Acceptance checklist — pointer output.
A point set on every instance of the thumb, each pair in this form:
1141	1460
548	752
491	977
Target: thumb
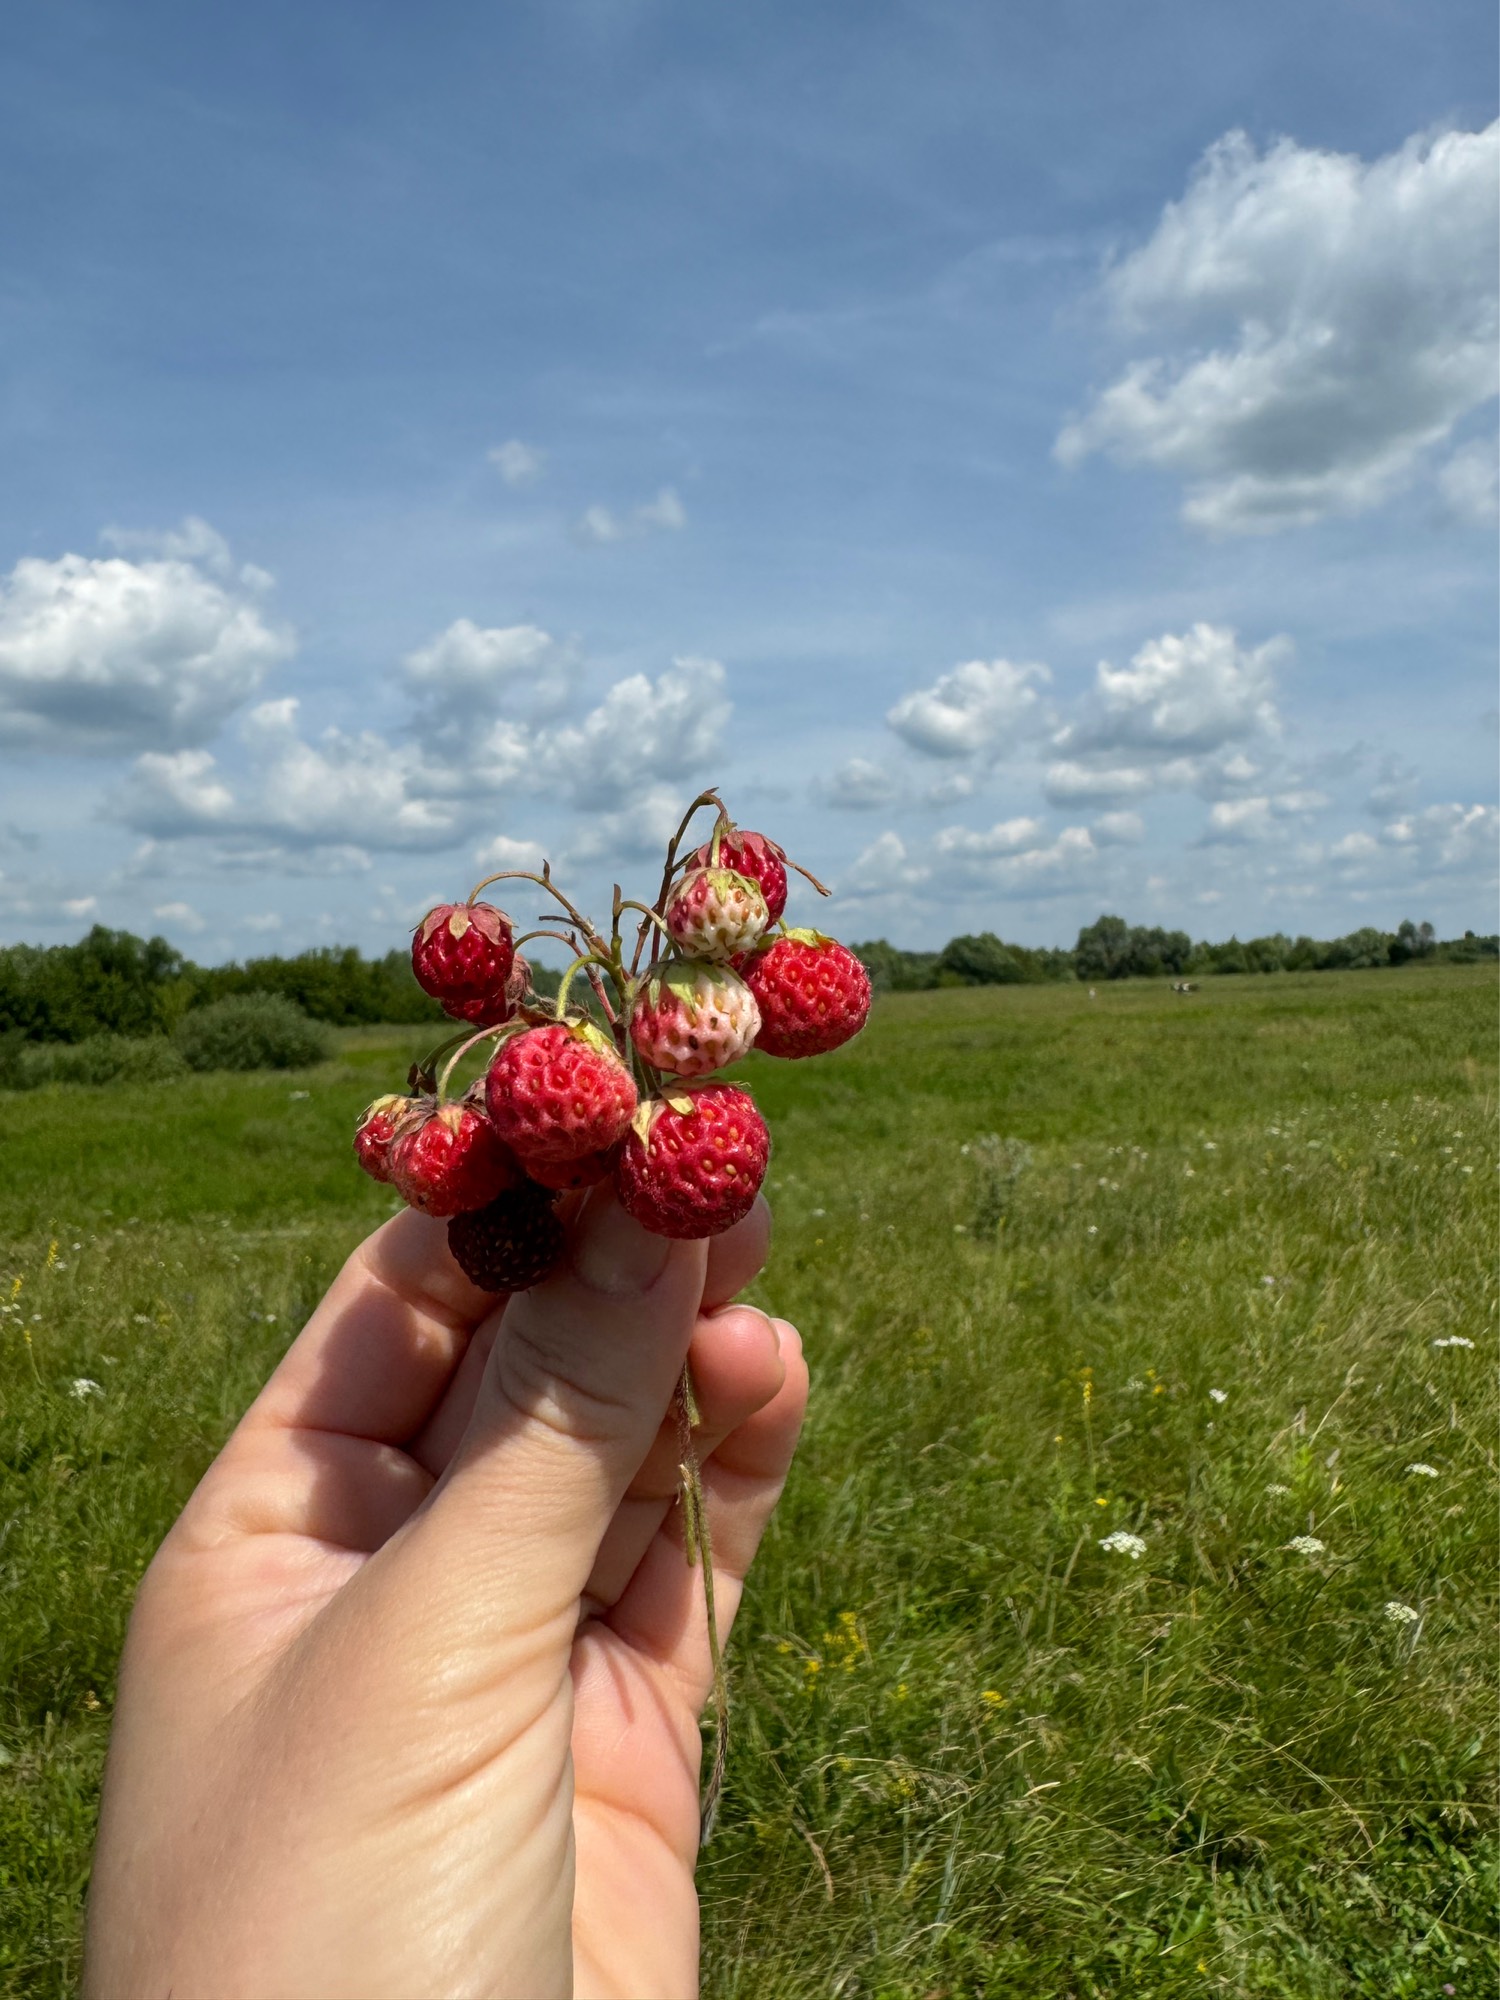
580	1376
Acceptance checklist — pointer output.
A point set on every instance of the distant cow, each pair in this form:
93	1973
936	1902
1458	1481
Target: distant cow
1184	986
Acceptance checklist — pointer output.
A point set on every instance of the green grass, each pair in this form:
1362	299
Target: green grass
975	1753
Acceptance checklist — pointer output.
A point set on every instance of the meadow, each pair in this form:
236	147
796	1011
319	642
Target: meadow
1128	1627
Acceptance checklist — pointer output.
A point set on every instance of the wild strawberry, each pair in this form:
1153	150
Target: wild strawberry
447	1159
714	913
511	1244
753	856
694	1162
375	1131
813	993
558	1092
490	1009
562	1175
692	1018
462	955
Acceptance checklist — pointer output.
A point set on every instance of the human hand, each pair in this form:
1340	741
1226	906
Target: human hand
409	1704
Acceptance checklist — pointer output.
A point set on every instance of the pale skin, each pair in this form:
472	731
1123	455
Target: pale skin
409	1704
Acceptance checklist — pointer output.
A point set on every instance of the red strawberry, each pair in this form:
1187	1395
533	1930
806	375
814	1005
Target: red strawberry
692	1018
375	1131
813	993
490	1010
462	955
755	857
693	1163
512	1244
559	1092
448	1159
561	1175
714	913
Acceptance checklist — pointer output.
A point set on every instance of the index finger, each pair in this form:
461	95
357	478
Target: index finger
377	1355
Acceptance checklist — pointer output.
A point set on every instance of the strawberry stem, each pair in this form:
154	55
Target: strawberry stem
587	958
457	1057
561	937
709	798
651	916
544	881
821	887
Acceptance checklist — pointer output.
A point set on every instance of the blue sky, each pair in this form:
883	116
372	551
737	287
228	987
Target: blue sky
1038	459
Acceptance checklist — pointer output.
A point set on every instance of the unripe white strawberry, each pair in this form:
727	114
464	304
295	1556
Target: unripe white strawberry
716	913
690	1018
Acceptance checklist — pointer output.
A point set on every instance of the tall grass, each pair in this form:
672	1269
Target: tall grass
1195	1271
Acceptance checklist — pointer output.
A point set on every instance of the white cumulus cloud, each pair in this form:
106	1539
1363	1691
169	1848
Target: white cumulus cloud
1068	782
1006	838
463	680
345	794
1470	483
1445	837
642	730
518	464
978	710
601	525
343	790
1118	829
104	655
1182	694
1320	323
883	869
861	786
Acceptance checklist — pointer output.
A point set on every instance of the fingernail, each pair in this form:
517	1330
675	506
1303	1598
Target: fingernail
718	1312
611	1252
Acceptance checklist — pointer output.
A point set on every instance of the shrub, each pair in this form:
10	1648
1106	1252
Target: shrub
99	1059
114	1059
252	1031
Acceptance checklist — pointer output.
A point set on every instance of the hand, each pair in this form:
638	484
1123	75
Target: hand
409	1704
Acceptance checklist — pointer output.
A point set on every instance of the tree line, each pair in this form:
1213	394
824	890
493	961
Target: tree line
1111	948
115	983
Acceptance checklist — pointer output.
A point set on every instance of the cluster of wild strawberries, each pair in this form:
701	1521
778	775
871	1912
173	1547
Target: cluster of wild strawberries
576	1095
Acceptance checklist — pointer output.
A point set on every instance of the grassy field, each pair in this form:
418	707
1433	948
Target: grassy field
1232	1291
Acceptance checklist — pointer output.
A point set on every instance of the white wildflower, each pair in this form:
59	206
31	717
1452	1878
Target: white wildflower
1424	1471
1399	1613
1454	1340
1306	1545
1278	1489
83	1386
1093	1229
1268	1280
297	1095
1219	1395
1122	1544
